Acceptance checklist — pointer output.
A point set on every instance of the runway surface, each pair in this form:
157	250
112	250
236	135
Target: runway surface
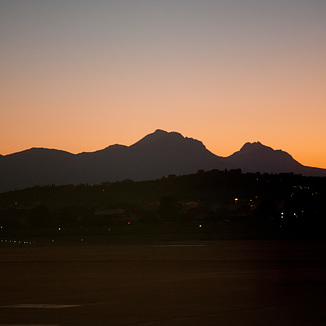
199	283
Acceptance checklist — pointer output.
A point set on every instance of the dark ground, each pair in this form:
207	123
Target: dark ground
227	282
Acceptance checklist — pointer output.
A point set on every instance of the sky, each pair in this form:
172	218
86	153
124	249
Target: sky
81	75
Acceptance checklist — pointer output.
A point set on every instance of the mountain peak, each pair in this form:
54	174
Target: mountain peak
257	149
160	132
258	157
254	146
158	136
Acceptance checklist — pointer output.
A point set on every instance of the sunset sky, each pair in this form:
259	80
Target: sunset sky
81	75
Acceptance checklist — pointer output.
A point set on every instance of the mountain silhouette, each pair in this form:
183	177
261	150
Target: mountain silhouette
154	156
256	157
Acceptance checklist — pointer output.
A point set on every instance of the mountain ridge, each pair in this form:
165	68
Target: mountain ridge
158	154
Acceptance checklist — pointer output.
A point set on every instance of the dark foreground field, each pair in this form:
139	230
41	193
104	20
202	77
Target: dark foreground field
185	283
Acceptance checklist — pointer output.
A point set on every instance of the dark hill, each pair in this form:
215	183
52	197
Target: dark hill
154	156
162	153
254	157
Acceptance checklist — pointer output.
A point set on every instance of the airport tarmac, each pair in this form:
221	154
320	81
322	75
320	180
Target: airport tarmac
169	283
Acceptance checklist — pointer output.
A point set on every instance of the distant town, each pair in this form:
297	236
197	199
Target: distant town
207	205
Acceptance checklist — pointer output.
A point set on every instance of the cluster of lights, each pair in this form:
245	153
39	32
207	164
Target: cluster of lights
294	214
81	240
282	216
15	241
302	187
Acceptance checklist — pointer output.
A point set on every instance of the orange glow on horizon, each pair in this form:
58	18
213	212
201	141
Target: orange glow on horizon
82	77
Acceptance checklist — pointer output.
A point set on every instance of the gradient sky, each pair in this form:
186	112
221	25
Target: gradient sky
81	75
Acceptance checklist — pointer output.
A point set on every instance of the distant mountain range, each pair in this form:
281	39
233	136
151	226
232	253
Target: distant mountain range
154	156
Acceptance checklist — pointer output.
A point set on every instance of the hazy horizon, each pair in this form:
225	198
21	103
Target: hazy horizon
82	75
